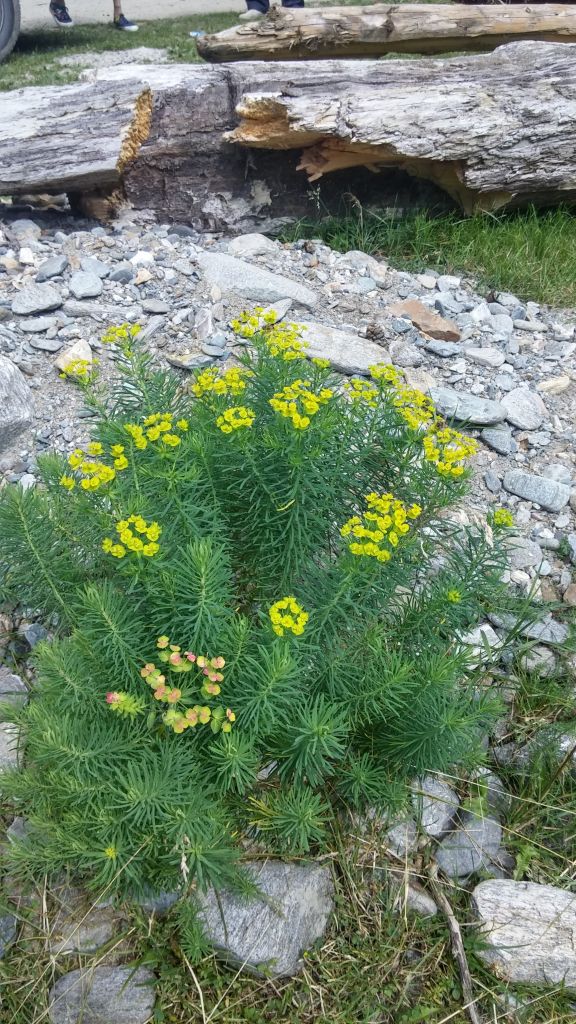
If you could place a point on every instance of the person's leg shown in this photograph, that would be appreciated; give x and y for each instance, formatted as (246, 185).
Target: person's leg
(256, 9)
(60, 14)
(292, 3)
(120, 20)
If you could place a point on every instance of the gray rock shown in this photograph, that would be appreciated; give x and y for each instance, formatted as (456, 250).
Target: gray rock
(252, 245)
(502, 323)
(32, 633)
(524, 408)
(155, 306)
(470, 847)
(500, 440)
(539, 660)
(13, 691)
(548, 494)
(210, 349)
(272, 932)
(123, 274)
(90, 265)
(522, 553)
(38, 324)
(252, 282)
(492, 481)
(483, 643)
(466, 408)
(189, 361)
(159, 904)
(16, 403)
(402, 353)
(491, 790)
(47, 344)
(85, 286)
(528, 931)
(8, 926)
(53, 267)
(547, 631)
(402, 838)
(347, 353)
(407, 895)
(103, 995)
(8, 746)
(558, 472)
(78, 928)
(435, 804)
(36, 298)
(444, 349)
(491, 357)
(23, 230)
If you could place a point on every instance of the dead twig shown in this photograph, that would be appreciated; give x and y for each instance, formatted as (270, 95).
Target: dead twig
(456, 943)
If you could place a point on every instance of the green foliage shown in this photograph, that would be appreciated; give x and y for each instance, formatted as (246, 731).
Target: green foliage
(257, 588)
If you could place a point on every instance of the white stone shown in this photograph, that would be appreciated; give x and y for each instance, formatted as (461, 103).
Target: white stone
(483, 642)
(435, 804)
(348, 353)
(250, 281)
(8, 745)
(251, 245)
(491, 357)
(530, 931)
(79, 350)
(16, 403)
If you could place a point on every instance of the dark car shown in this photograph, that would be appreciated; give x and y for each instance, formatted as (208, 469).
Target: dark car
(9, 26)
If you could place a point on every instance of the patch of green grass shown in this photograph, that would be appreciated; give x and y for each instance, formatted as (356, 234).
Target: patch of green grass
(35, 59)
(531, 253)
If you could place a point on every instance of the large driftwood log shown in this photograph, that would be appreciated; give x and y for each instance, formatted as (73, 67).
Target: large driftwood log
(293, 34)
(490, 130)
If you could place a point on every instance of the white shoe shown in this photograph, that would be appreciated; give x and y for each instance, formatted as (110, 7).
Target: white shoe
(251, 15)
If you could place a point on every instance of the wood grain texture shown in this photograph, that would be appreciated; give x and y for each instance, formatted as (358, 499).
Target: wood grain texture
(328, 32)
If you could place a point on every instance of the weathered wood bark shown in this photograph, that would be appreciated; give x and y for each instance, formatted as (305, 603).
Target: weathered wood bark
(490, 130)
(326, 32)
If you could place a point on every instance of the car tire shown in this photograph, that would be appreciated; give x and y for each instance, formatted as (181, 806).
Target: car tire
(9, 26)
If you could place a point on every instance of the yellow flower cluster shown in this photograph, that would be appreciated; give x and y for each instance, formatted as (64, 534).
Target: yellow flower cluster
(122, 336)
(230, 382)
(446, 449)
(285, 341)
(128, 529)
(297, 403)
(379, 530)
(362, 391)
(415, 408)
(287, 614)
(249, 324)
(502, 517)
(160, 427)
(81, 370)
(235, 419)
(93, 472)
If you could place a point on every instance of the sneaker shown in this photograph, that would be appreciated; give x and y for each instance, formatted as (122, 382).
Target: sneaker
(124, 25)
(251, 15)
(60, 15)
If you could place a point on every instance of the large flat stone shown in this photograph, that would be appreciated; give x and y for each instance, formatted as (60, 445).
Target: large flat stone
(549, 494)
(269, 935)
(252, 282)
(103, 995)
(348, 353)
(467, 408)
(16, 403)
(530, 931)
(36, 298)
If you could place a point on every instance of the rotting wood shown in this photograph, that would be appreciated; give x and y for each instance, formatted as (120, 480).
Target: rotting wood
(332, 32)
(490, 130)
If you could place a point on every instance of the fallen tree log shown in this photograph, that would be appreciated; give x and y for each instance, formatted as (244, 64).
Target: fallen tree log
(328, 32)
(490, 130)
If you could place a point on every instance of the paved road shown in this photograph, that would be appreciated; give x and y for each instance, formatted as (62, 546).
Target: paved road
(35, 12)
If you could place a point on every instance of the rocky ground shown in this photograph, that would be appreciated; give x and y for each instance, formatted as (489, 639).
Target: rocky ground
(502, 366)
